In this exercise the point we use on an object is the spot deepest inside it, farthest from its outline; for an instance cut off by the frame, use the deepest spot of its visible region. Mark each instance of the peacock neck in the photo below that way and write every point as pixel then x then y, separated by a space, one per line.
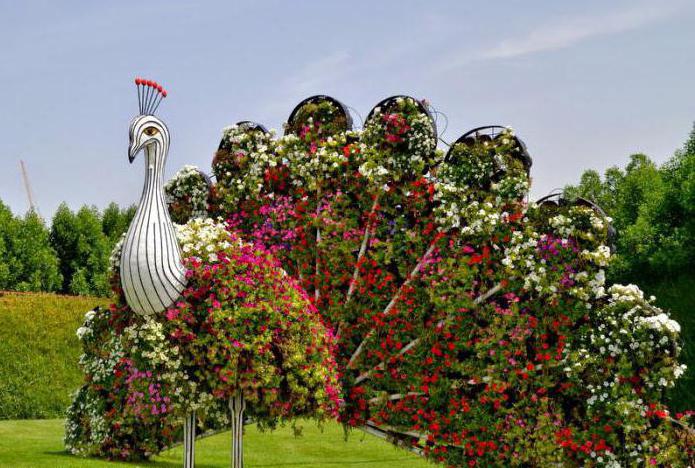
pixel 153 191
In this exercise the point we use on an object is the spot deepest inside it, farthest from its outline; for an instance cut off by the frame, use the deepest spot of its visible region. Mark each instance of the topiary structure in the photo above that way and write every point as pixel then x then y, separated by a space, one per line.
pixel 473 327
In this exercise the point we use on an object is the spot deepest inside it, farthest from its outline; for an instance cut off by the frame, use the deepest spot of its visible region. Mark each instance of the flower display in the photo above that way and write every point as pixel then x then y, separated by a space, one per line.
pixel 399 140
pixel 242 152
pixel 417 295
pixel 242 325
pixel 466 318
pixel 124 409
pixel 187 194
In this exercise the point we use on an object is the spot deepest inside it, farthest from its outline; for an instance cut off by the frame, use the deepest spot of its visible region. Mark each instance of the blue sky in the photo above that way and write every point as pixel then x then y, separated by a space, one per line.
pixel 584 83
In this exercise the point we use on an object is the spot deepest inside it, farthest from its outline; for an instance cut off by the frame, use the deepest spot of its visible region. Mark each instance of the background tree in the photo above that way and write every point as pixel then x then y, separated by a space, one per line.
pixel 63 239
pixel 115 221
pixel 33 263
pixel 79 244
pixel 7 225
pixel 652 209
pixel 83 249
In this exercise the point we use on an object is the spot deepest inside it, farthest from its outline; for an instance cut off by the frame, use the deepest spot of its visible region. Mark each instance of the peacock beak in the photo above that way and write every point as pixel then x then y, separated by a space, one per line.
pixel 132 152
pixel 134 143
pixel 131 155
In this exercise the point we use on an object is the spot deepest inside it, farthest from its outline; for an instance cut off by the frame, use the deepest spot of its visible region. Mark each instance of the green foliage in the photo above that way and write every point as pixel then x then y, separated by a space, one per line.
pixel 27 261
pixel 115 221
pixel 7 229
pixel 677 295
pixel 73 257
pixel 39 353
pixel 83 249
pixel 652 209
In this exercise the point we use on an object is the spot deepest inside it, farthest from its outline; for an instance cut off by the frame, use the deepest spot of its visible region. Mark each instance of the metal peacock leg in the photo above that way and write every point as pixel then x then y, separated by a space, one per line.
pixel 189 440
pixel 237 405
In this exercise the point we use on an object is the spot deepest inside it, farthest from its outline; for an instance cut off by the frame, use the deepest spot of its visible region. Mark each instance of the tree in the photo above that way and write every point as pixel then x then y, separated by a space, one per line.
pixel 64 234
pixel 115 221
pixel 93 251
pixel 36 263
pixel 8 228
pixel 83 249
pixel 652 209
pixel 590 187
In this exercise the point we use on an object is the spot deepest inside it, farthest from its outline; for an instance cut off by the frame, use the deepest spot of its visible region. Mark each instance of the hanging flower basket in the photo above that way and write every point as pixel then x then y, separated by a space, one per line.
pixel 187 194
pixel 401 136
pixel 553 201
pixel 391 104
pixel 493 135
pixel 247 125
pixel 320 114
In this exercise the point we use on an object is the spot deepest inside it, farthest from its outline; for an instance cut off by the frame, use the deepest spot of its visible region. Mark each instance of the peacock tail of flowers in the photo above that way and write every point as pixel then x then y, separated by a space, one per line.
pixel 472 326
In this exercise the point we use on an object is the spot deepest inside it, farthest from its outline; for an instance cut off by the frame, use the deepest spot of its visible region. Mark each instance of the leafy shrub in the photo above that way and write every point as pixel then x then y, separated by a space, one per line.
pixel 39 353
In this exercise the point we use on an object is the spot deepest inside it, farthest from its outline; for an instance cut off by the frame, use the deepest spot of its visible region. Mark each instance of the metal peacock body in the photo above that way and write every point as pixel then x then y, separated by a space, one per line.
pixel 152 272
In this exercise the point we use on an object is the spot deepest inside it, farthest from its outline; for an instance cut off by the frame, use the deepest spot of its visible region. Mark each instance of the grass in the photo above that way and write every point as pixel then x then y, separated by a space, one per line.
pixel 39 353
pixel 39 443
pixel 677 296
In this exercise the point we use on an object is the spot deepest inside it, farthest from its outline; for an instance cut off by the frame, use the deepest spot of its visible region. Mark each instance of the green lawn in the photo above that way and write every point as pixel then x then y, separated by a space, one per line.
pixel 39 443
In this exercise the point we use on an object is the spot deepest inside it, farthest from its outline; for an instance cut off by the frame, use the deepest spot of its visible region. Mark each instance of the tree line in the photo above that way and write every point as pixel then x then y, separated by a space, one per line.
pixel 70 256
pixel 653 211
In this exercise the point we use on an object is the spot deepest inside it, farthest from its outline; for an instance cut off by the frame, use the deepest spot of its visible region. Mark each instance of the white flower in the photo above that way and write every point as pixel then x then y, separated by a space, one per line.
pixel 661 322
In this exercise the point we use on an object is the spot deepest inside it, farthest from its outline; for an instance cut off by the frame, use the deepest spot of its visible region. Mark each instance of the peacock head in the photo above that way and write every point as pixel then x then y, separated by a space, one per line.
pixel 146 130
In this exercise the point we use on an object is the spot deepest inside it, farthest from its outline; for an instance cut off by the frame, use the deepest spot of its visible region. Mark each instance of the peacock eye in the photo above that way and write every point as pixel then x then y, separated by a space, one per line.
pixel 151 131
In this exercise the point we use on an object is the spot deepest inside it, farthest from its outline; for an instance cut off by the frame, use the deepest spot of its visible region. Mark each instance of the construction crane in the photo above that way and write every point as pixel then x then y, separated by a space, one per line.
pixel 27 187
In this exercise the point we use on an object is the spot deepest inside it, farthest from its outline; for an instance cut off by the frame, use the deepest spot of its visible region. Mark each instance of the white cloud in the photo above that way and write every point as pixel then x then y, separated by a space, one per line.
pixel 566 32
pixel 569 32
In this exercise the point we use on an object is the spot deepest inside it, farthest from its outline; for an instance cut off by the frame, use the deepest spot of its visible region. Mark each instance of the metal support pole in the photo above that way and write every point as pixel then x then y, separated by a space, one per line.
pixel 189 440
pixel 237 405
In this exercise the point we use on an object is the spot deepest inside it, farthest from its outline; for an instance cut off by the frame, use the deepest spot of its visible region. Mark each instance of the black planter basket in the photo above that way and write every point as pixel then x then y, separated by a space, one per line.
pixel 207 178
pixel 491 133
pixel 390 101
pixel 248 126
pixel 557 199
pixel 342 108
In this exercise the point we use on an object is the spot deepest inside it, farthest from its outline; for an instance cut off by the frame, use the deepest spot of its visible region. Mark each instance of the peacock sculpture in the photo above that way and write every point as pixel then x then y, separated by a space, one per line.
pixel 463 323
pixel 152 272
